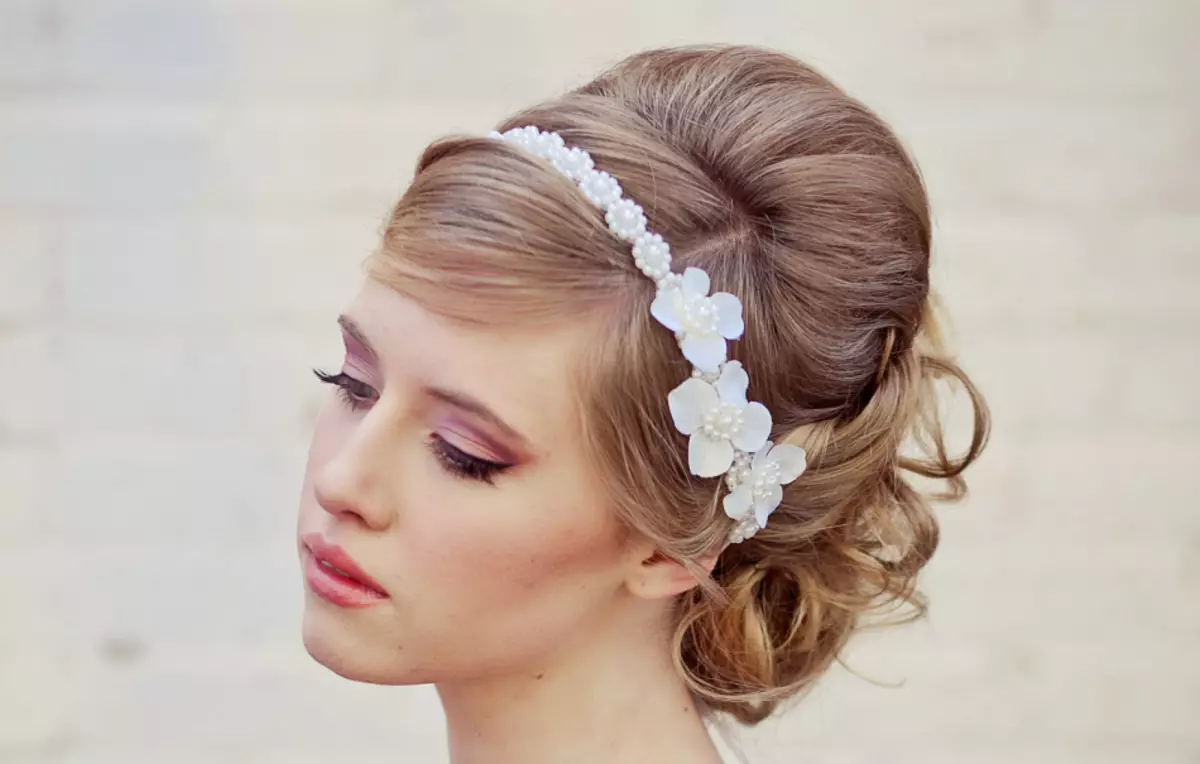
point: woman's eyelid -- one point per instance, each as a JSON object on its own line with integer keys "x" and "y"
{"x": 471, "y": 440}
{"x": 362, "y": 390}
{"x": 361, "y": 370}
{"x": 474, "y": 447}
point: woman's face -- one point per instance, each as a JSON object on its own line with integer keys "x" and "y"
{"x": 447, "y": 468}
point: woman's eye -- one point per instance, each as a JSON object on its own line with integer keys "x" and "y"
{"x": 461, "y": 464}
{"x": 354, "y": 393}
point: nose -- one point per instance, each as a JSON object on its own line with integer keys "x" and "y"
{"x": 352, "y": 485}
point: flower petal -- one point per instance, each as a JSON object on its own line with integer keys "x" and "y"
{"x": 705, "y": 353}
{"x": 764, "y": 508}
{"x": 709, "y": 458}
{"x": 664, "y": 309}
{"x": 755, "y": 429}
{"x": 792, "y": 461}
{"x": 729, "y": 315}
{"x": 761, "y": 456}
{"x": 689, "y": 402}
{"x": 733, "y": 382}
{"x": 695, "y": 281}
{"x": 737, "y": 503}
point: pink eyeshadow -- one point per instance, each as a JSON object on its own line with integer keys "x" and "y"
{"x": 466, "y": 433}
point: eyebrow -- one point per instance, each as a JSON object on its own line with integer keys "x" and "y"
{"x": 355, "y": 331}
{"x": 458, "y": 400}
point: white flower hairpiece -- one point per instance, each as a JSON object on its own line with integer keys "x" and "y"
{"x": 728, "y": 434}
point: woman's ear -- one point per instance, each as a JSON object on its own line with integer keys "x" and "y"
{"x": 653, "y": 575}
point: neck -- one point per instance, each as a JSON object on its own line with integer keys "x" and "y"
{"x": 613, "y": 697}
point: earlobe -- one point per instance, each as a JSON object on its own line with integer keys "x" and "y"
{"x": 658, "y": 576}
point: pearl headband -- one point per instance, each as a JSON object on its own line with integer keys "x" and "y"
{"x": 727, "y": 433}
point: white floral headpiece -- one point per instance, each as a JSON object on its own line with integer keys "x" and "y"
{"x": 728, "y": 434}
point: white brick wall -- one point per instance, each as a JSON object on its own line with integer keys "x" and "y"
{"x": 187, "y": 187}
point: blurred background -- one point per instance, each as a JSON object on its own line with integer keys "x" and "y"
{"x": 187, "y": 189}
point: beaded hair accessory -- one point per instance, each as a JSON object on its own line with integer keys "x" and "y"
{"x": 727, "y": 433}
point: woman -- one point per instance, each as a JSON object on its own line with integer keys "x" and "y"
{"x": 598, "y": 470}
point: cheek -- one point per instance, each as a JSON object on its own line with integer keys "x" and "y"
{"x": 520, "y": 560}
{"x": 521, "y": 573}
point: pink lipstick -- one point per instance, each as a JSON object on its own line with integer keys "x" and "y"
{"x": 332, "y": 575}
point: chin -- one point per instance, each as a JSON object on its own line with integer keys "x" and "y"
{"x": 356, "y": 654}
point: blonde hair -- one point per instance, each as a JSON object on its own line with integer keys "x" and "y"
{"x": 800, "y": 201}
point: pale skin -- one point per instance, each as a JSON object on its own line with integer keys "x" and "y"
{"x": 544, "y": 629}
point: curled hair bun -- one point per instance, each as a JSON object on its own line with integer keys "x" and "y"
{"x": 854, "y": 536}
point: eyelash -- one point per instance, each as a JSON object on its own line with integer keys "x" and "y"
{"x": 461, "y": 464}
{"x": 358, "y": 395}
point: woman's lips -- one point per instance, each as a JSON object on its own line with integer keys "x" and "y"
{"x": 332, "y": 575}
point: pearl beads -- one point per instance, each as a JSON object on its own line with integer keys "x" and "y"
{"x": 626, "y": 219}
{"x": 601, "y": 189}
{"x": 574, "y": 163}
{"x": 765, "y": 479}
{"x": 670, "y": 281}
{"x": 739, "y": 472}
{"x": 746, "y": 528}
{"x": 652, "y": 256}
{"x": 698, "y": 314}
{"x": 722, "y": 421}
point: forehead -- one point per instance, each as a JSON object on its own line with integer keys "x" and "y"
{"x": 523, "y": 374}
